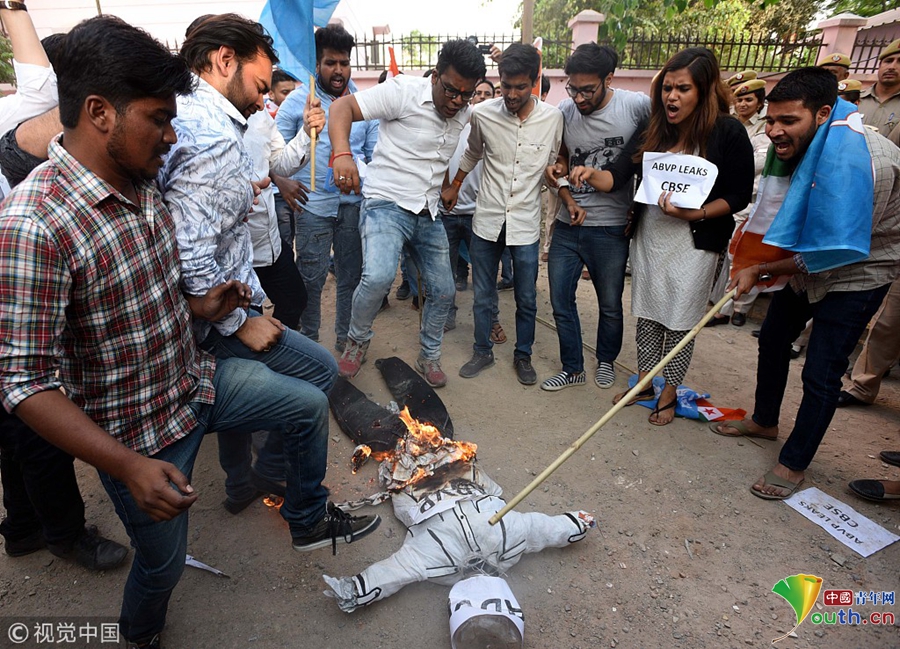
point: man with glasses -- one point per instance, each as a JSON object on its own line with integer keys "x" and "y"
{"x": 599, "y": 121}
{"x": 522, "y": 136}
{"x": 421, "y": 119}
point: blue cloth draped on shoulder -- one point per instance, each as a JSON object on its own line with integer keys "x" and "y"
{"x": 290, "y": 24}
{"x": 827, "y": 212}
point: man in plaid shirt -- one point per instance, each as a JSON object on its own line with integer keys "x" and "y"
{"x": 90, "y": 288}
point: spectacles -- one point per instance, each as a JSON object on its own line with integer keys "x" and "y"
{"x": 587, "y": 93}
{"x": 452, "y": 93}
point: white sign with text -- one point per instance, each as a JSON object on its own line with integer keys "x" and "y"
{"x": 863, "y": 536}
{"x": 690, "y": 178}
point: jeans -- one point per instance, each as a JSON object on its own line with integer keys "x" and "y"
{"x": 315, "y": 237}
{"x": 284, "y": 286}
{"x": 40, "y": 493}
{"x": 459, "y": 230}
{"x": 485, "y": 257}
{"x": 249, "y": 396}
{"x": 506, "y": 267}
{"x": 839, "y": 320}
{"x": 294, "y": 356}
{"x": 286, "y": 225}
{"x": 386, "y": 228}
{"x": 604, "y": 250}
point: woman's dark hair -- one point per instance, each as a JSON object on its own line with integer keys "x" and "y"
{"x": 333, "y": 37}
{"x": 812, "y": 86}
{"x": 714, "y": 101}
{"x": 106, "y": 56}
{"x": 246, "y": 37}
{"x": 519, "y": 59}
{"x": 591, "y": 58}
{"x": 464, "y": 57}
{"x": 760, "y": 98}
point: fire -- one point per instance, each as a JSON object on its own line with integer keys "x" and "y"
{"x": 420, "y": 453}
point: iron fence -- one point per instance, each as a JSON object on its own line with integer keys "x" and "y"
{"x": 642, "y": 52}
{"x": 865, "y": 54}
{"x": 420, "y": 51}
{"x": 734, "y": 51}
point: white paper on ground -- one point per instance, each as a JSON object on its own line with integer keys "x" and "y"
{"x": 689, "y": 177}
{"x": 860, "y": 534}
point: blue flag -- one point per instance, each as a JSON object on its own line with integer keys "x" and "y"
{"x": 819, "y": 217}
{"x": 290, "y": 24}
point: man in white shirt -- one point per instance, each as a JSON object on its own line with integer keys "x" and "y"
{"x": 421, "y": 119}
{"x": 521, "y": 136}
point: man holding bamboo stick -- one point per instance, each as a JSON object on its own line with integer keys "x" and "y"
{"x": 810, "y": 129}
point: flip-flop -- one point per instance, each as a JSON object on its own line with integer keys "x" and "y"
{"x": 772, "y": 480}
{"x": 872, "y": 490}
{"x": 741, "y": 427}
{"x": 498, "y": 336}
{"x": 657, "y": 410}
{"x": 646, "y": 394}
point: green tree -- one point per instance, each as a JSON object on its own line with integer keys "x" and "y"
{"x": 864, "y": 8}
{"x": 419, "y": 50}
{"x": 7, "y": 74}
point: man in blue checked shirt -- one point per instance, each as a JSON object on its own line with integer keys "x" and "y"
{"x": 329, "y": 218}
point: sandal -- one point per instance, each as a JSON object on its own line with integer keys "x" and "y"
{"x": 772, "y": 480}
{"x": 498, "y": 337}
{"x": 646, "y": 394}
{"x": 741, "y": 428}
{"x": 656, "y": 411}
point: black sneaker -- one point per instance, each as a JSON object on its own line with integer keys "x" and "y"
{"x": 403, "y": 291}
{"x": 30, "y": 544}
{"x": 477, "y": 363}
{"x": 337, "y": 524}
{"x": 504, "y": 286}
{"x": 92, "y": 551}
{"x": 524, "y": 371}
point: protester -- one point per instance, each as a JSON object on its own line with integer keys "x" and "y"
{"x": 329, "y": 219}
{"x": 139, "y": 396}
{"x": 283, "y": 84}
{"x": 206, "y": 184}
{"x": 421, "y": 120}
{"x": 458, "y": 221}
{"x": 590, "y": 226}
{"x": 840, "y": 301}
{"x": 522, "y": 136}
{"x": 879, "y": 353}
{"x": 677, "y": 251}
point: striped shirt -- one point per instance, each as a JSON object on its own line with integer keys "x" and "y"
{"x": 89, "y": 288}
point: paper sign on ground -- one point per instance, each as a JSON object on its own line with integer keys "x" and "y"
{"x": 860, "y": 534}
{"x": 690, "y": 178}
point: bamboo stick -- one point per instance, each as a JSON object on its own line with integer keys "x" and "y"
{"x": 312, "y": 140}
{"x": 640, "y": 385}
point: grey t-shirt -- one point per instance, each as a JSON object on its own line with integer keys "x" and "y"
{"x": 597, "y": 140}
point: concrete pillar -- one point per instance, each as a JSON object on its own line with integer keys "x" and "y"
{"x": 584, "y": 27}
{"x": 839, "y": 34}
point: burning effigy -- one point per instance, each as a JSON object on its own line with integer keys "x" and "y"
{"x": 446, "y": 501}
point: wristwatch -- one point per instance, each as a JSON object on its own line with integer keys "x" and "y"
{"x": 763, "y": 275}
{"x": 13, "y": 6}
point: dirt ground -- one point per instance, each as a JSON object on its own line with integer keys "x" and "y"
{"x": 684, "y": 555}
